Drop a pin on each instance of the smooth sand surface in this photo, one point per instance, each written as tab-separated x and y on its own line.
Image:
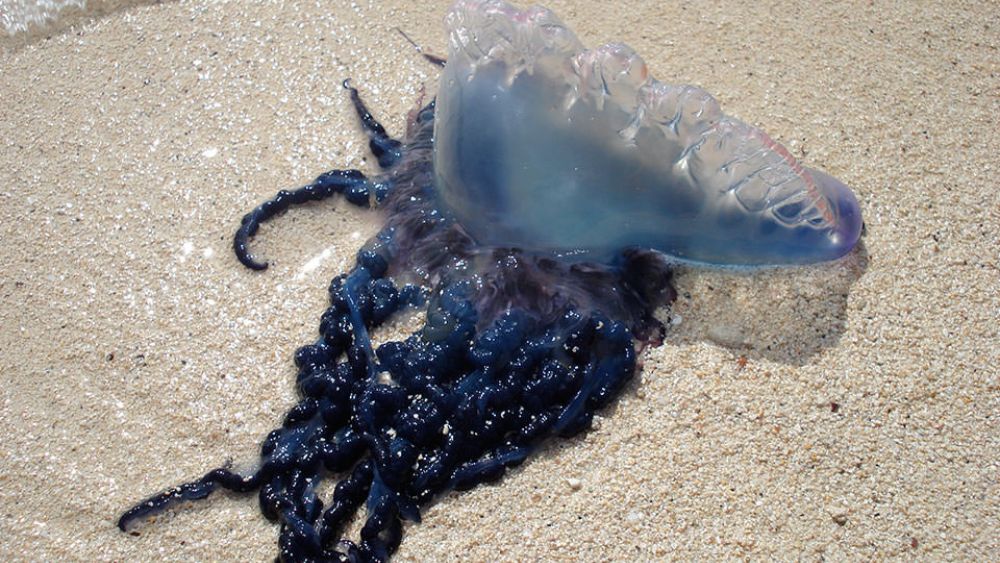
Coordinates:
847	411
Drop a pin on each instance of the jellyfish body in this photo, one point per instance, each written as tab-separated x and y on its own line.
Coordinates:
541	143
535	243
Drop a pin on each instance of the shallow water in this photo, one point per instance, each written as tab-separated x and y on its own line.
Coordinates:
17	16
24	21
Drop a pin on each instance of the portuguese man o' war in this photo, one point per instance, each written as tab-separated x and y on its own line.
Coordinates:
532	210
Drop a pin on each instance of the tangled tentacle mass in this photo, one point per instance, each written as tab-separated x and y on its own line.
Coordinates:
516	347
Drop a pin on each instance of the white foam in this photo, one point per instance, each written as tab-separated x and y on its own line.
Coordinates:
18	16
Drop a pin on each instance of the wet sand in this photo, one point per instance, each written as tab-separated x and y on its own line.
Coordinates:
847	411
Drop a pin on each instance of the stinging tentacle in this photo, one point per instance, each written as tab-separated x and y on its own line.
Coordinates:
357	189
194	490
433	59
387	150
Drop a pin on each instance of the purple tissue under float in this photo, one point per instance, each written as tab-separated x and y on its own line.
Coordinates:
531	211
543	144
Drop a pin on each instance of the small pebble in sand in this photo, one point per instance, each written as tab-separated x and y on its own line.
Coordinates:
838	513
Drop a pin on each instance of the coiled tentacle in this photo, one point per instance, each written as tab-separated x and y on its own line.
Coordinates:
357	189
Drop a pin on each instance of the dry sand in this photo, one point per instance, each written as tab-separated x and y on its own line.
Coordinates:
135	352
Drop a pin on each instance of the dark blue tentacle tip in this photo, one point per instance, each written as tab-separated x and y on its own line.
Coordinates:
435	60
248	227
248	261
387	152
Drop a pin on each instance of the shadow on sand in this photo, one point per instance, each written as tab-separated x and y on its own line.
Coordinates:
785	315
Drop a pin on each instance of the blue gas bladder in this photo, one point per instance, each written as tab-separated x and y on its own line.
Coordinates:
542	144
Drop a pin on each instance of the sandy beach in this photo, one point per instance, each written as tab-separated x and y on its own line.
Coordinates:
846	411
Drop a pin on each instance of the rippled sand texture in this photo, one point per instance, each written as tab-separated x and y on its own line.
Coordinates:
844	412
